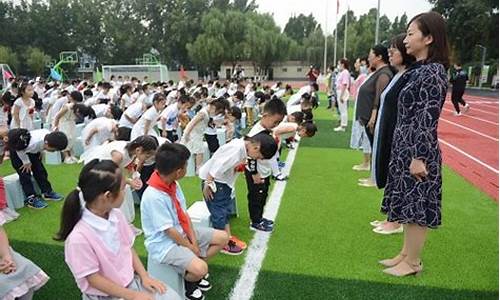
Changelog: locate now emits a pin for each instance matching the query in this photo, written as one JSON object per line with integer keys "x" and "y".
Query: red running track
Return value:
{"x": 469, "y": 143}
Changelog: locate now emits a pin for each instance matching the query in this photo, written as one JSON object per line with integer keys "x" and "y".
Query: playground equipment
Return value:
{"x": 6, "y": 75}
{"x": 65, "y": 57}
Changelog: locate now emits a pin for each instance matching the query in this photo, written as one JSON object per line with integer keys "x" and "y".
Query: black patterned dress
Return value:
{"x": 406, "y": 200}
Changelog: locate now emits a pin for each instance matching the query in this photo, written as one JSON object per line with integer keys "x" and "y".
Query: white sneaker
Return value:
{"x": 457, "y": 114}
{"x": 12, "y": 213}
{"x": 340, "y": 128}
{"x": 69, "y": 160}
{"x": 466, "y": 108}
{"x": 361, "y": 167}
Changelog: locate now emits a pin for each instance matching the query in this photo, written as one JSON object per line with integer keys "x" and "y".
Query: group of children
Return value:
{"x": 143, "y": 135}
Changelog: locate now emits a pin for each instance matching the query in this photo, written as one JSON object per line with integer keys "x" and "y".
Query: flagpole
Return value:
{"x": 345, "y": 31}
{"x": 377, "y": 23}
{"x": 335, "y": 38}
{"x": 326, "y": 38}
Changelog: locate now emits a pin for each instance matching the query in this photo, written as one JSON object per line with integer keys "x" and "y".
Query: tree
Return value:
{"x": 7, "y": 56}
{"x": 300, "y": 27}
{"x": 470, "y": 22}
{"x": 36, "y": 60}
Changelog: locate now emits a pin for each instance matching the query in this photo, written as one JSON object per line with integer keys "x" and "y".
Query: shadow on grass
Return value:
{"x": 62, "y": 286}
{"x": 274, "y": 285}
{"x": 327, "y": 138}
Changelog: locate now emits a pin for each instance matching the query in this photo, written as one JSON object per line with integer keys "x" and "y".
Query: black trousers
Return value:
{"x": 146, "y": 172}
{"x": 257, "y": 196}
{"x": 456, "y": 98}
{"x": 38, "y": 170}
{"x": 370, "y": 136}
{"x": 213, "y": 142}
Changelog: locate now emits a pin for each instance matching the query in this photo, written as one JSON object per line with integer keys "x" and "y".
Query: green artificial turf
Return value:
{"x": 323, "y": 246}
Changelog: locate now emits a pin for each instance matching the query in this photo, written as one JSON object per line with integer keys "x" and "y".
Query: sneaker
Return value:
{"x": 238, "y": 242}
{"x": 466, "y": 108}
{"x": 204, "y": 285}
{"x": 280, "y": 177}
{"x": 261, "y": 227}
{"x": 457, "y": 114}
{"x": 368, "y": 183}
{"x": 340, "y": 128}
{"x": 267, "y": 222}
{"x": 69, "y": 160}
{"x": 7, "y": 218}
{"x": 231, "y": 249}
{"x": 35, "y": 202}
{"x": 361, "y": 167}
{"x": 377, "y": 223}
{"x": 53, "y": 196}
{"x": 196, "y": 294}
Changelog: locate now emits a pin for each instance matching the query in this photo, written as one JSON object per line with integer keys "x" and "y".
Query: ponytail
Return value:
{"x": 96, "y": 178}
{"x": 70, "y": 215}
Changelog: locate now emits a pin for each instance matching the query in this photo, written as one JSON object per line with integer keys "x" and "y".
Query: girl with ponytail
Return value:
{"x": 99, "y": 242}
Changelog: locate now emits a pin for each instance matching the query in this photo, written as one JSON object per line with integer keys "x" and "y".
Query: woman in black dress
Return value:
{"x": 412, "y": 195}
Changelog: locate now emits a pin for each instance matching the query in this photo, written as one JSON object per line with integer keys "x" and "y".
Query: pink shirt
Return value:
{"x": 357, "y": 83}
{"x": 344, "y": 78}
{"x": 86, "y": 253}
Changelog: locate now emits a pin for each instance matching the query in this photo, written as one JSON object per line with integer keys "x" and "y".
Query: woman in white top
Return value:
{"x": 23, "y": 108}
{"x": 144, "y": 126}
{"x": 98, "y": 131}
{"x": 195, "y": 129}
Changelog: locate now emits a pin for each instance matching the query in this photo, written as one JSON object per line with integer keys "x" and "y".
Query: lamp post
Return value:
{"x": 483, "y": 58}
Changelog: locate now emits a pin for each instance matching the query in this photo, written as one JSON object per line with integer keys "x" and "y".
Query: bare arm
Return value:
{"x": 59, "y": 115}
{"x": 107, "y": 286}
{"x": 197, "y": 119}
{"x": 15, "y": 115}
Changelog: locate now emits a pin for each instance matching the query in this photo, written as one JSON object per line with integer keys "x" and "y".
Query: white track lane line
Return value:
{"x": 475, "y": 118}
{"x": 468, "y": 129}
{"x": 469, "y": 156}
{"x": 256, "y": 252}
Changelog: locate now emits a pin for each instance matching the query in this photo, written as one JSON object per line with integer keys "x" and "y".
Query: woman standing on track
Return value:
{"x": 413, "y": 192}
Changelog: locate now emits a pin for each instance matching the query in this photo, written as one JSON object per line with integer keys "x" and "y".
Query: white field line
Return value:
{"x": 256, "y": 252}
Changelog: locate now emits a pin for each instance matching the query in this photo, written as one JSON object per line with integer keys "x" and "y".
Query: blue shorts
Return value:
{"x": 220, "y": 206}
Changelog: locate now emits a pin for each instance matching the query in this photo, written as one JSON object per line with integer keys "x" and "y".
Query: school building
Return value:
{"x": 284, "y": 71}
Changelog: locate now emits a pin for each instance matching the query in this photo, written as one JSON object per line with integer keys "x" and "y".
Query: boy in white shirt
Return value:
{"x": 258, "y": 172}
{"x": 219, "y": 175}
{"x": 169, "y": 118}
{"x": 25, "y": 155}
{"x": 129, "y": 118}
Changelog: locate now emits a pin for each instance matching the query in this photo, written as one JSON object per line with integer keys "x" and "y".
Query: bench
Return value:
{"x": 199, "y": 214}
{"x": 53, "y": 158}
{"x": 167, "y": 275}
{"x": 14, "y": 192}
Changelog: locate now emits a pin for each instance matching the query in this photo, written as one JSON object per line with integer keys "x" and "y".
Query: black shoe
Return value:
{"x": 192, "y": 291}
{"x": 267, "y": 222}
{"x": 204, "y": 285}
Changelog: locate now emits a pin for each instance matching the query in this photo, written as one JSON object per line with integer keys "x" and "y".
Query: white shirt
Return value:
{"x": 169, "y": 117}
{"x": 263, "y": 165}
{"x": 250, "y": 100}
{"x": 221, "y": 165}
{"x": 25, "y": 118}
{"x": 36, "y": 144}
{"x": 295, "y": 98}
{"x": 100, "y": 109}
{"x": 56, "y": 107}
{"x": 150, "y": 115}
{"x": 134, "y": 111}
{"x": 106, "y": 230}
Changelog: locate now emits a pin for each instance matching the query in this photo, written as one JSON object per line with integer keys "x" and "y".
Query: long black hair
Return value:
{"x": 97, "y": 177}
{"x": 147, "y": 142}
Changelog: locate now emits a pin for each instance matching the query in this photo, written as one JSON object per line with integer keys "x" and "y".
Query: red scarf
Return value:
{"x": 171, "y": 190}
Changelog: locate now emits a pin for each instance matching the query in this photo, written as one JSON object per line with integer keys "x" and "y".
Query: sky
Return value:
{"x": 284, "y": 9}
